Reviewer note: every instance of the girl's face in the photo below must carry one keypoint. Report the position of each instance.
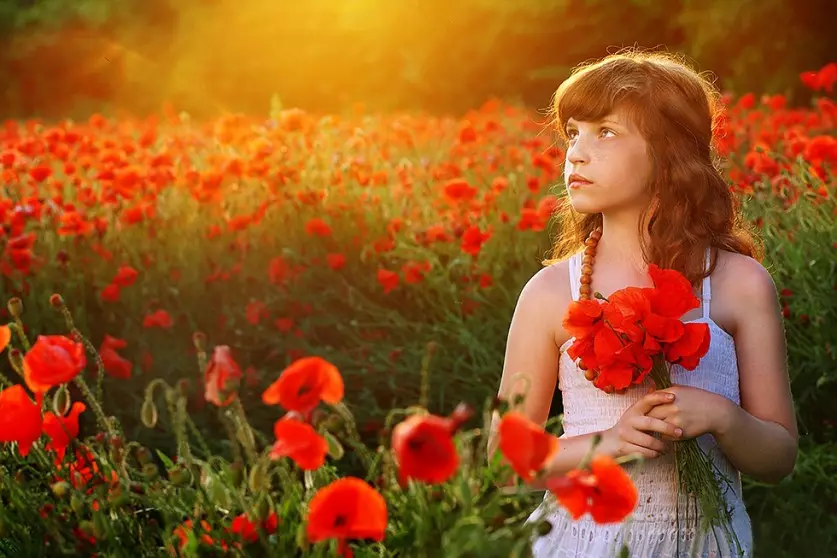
(608, 165)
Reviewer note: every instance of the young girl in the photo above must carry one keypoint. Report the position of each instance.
(639, 168)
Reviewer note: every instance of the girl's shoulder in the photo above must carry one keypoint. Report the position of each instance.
(740, 286)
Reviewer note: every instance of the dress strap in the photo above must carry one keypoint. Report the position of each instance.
(707, 286)
(575, 275)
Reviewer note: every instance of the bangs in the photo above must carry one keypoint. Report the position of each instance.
(593, 92)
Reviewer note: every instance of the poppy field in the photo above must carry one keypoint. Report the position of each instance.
(226, 338)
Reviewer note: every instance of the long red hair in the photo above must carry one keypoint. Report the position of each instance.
(677, 110)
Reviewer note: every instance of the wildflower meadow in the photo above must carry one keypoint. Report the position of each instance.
(283, 336)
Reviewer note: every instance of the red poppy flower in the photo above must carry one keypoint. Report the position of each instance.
(246, 529)
(159, 318)
(5, 337)
(690, 347)
(222, 377)
(61, 430)
(672, 295)
(424, 449)
(606, 491)
(583, 318)
(20, 419)
(299, 441)
(115, 364)
(525, 445)
(303, 384)
(346, 509)
(53, 360)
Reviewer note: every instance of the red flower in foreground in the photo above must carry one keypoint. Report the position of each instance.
(606, 491)
(525, 445)
(303, 384)
(299, 441)
(5, 337)
(346, 509)
(424, 449)
(222, 377)
(61, 430)
(53, 360)
(20, 419)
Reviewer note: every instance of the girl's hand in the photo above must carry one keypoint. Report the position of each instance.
(694, 410)
(634, 433)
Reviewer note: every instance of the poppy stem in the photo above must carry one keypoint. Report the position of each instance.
(17, 327)
(101, 418)
(100, 365)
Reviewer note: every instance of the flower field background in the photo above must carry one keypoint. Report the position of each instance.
(392, 246)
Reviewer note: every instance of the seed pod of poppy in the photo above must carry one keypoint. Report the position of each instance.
(148, 414)
(150, 471)
(60, 489)
(15, 306)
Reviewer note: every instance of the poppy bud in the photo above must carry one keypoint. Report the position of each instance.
(150, 471)
(335, 448)
(148, 414)
(60, 489)
(258, 479)
(199, 341)
(15, 306)
(16, 360)
(61, 401)
(183, 387)
(117, 497)
(180, 475)
(143, 455)
(56, 301)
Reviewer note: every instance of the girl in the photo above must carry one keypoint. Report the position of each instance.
(639, 170)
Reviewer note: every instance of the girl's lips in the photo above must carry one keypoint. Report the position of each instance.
(575, 184)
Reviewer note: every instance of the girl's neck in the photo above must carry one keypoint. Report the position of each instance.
(620, 242)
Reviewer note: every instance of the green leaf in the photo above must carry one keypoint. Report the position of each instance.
(166, 461)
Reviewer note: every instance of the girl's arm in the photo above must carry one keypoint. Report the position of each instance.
(760, 438)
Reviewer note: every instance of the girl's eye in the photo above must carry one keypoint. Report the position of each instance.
(606, 130)
(571, 133)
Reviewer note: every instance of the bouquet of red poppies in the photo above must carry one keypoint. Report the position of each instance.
(617, 340)
(635, 333)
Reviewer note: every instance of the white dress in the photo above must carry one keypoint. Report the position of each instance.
(652, 529)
